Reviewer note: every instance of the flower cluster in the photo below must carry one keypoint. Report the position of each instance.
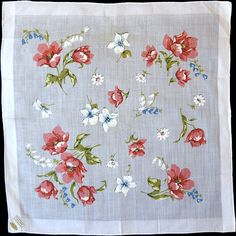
(117, 96)
(68, 170)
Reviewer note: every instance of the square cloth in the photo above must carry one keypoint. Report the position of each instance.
(117, 117)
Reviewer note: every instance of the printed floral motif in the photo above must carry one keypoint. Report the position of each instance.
(195, 195)
(163, 133)
(119, 45)
(86, 194)
(196, 137)
(198, 101)
(151, 55)
(182, 76)
(68, 170)
(91, 114)
(46, 189)
(33, 34)
(43, 107)
(197, 69)
(107, 119)
(178, 183)
(50, 55)
(146, 105)
(136, 147)
(116, 96)
(112, 163)
(97, 79)
(182, 46)
(161, 163)
(125, 184)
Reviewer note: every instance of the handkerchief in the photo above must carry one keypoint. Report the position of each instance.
(117, 117)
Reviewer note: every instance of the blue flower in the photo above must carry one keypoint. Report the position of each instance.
(40, 37)
(30, 36)
(65, 195)
(64, 189)
(35, 35)
(23, 41)
(72, 205)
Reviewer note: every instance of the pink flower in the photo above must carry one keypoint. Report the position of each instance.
(82, 55)
(149, 55)
(181, 46)
(115, 97)
(85, 194)
(72, 168)
(178, 181)
(182, 76)
(49, 55)
(56, 141)
(137, 148)
(46, 189)
(196, 137)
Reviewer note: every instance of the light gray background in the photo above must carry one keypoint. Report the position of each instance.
(204, 162)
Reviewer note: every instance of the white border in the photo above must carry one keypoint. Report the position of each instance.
(224, 224)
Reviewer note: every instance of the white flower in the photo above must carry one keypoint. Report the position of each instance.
(123, 185)
(119, 43)
(112, 164)
(39, 106)
(161, 163)
(90, 114)
(142, 100)
(86, 29)
(97, 79)
(140, 78)
(108, 120)
(163, 133)
(199, 100)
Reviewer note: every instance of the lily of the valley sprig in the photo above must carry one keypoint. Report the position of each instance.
(136, 146)
(176, 185)
(196, 136)
(116, 96)
(125, 183)
(198, 101)
(141, 78)
(43, 107)
(112, 163)
(50, 55)
(68, 170)
(120, 45)
(146, 105)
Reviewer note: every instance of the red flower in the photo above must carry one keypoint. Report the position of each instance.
(72, 168)
(56, 141)
(181, 46)
(82, 55)
(149, 55)
(182, 76)
(137, 148)
(196, 137)
(115, 97)
(178, 181)
(85, 194)
(49, 55)
(46, 189)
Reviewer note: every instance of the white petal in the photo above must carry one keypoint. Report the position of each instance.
(86, 29)
(154, 160)
(88, 106)
(132, 185)
(118, 181)
(118, 189)
(111, 45)
(95, 111)
(125, 190)
(126, 43)
(105, 111)
(112, 123)
(114, 115)
(119, 49)
(93, 120)
(142, 103)
(45, 114)
(118, 38)
(84, 112)
(85, 121)
(125, 36)
(101, 118)
(128, 178)
(105, 127)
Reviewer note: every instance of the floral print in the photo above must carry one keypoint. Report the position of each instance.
(116, 96)
(69, 164)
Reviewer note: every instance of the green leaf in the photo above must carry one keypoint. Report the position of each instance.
(13, 225)
(46, 36)
(51, 79)
(78, 140)
(103, 187)
(72, 78)
(63, 74)
(72, 188)
(163, 53)
(91, 159)
(192, 119)
(51, 173)
(184, 127)
(56, 178)
(154, 195)
(126, 54)
(155, 184)
(66, 56)
(172, 80)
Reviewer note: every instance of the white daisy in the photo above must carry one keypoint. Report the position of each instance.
(90, 114)
(199, 100)
(108, 120)
(97, 79)
(163, 133)
(112, 164)
(124, 185)
(39, 106)
(119, 43)
(140, 78)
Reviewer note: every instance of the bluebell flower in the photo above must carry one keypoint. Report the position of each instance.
(23, 41)
(30, 36)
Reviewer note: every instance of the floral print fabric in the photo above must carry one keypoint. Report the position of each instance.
(120, 111)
